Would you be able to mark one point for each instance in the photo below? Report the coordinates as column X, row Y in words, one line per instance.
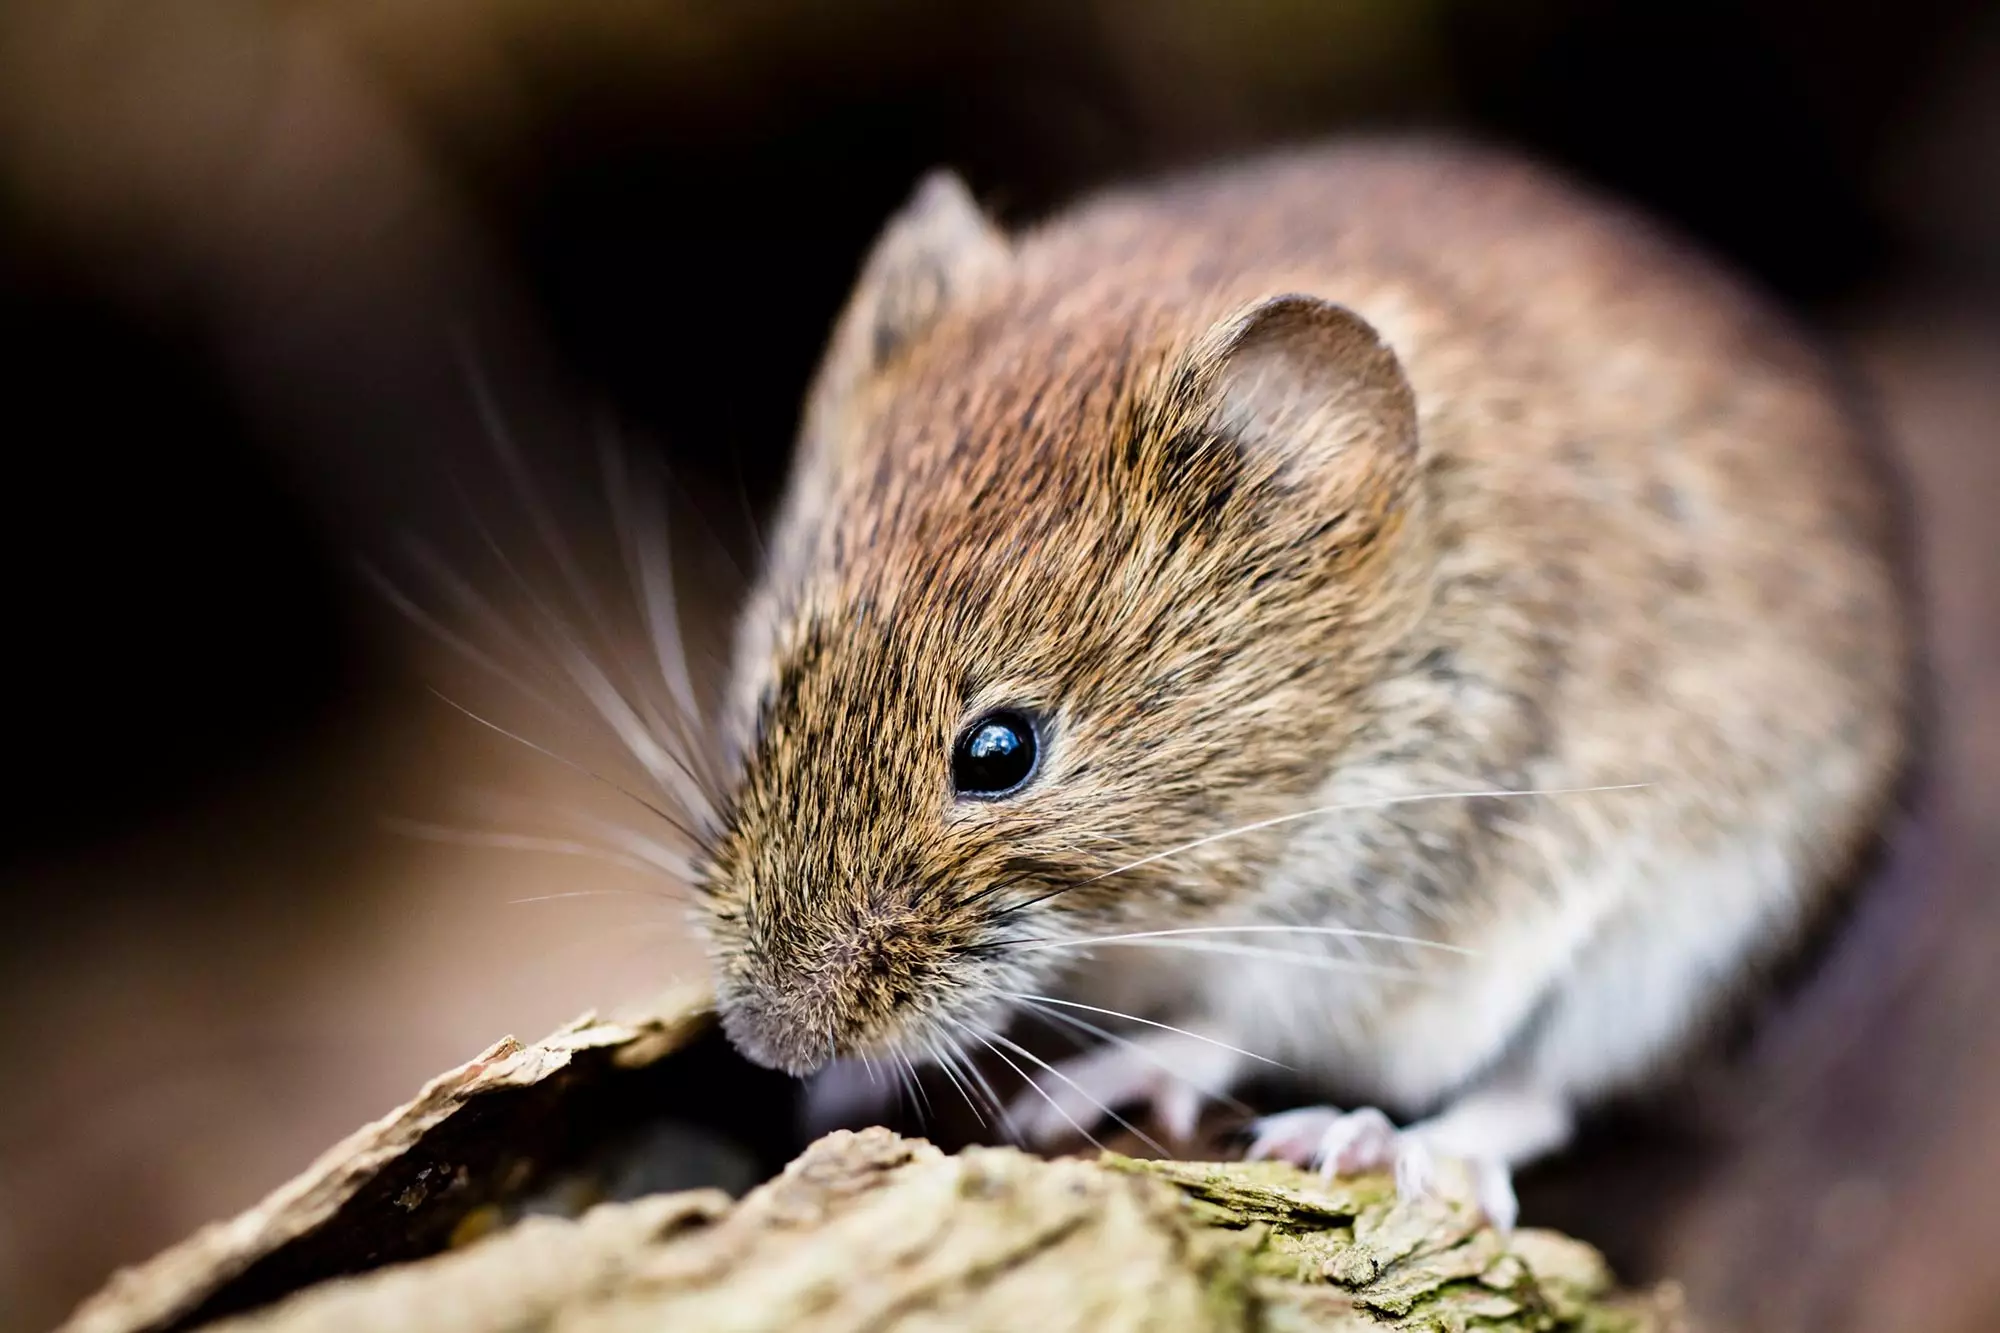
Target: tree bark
column 440, row 1218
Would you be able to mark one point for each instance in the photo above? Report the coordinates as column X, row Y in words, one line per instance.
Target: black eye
column 995, row 756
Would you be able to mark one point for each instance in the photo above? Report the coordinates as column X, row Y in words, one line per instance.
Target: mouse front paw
column 1346, row 1143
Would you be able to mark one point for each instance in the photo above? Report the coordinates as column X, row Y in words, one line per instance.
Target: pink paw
column 1349, row 1143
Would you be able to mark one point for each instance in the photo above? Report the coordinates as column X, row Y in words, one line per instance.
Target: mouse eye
column 995, row 756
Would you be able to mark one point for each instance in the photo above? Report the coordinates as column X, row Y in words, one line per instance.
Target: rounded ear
column 1291, row 397
column 933, row 252
column 1307, row 393
column 931, row 255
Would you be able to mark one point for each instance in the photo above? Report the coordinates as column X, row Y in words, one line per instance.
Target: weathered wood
column 866, row 1232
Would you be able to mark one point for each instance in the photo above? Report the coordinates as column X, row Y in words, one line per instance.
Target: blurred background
column 273, row 274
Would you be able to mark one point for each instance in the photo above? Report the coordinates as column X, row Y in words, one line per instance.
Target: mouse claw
column 1178, row 1109
column 1336, row 1143
column 1344, row 1143
column 1494, row 1189
column 1363, row 1140
column 1416, row 1168
column 1290, row 1136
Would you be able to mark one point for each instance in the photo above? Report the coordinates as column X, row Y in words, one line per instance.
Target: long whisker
column 577, row 893
column 1147, row 1022
column 917, row 1082
column 571, row 764
column 611, row 703
column 516, row 842
column 666, row 860
column 903, row 1088
column 996, row 887
column 1087, row 1135
column 555, row 629
column 555, row 636
column 500, row 438
column 944, row 1062
column 458, row 643
column 1315, row 961
column 649, row 565
column 619, row 947
column 978, row 1076
column 670, row 861
column 1341, row 932
column 664, row 765
column 1131, row 1128
column 1317, row 811
column 1138, row 1049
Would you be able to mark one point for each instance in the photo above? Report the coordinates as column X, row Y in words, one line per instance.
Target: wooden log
column 441, row 1218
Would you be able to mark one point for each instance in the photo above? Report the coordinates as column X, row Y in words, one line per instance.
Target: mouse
column 1381, row 609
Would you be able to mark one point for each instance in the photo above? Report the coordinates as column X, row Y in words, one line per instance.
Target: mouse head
column 1079, row 562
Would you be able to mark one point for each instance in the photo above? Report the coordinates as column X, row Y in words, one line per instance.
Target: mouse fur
column 1346, row 477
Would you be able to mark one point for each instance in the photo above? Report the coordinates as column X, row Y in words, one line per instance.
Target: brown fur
column 1146, row 471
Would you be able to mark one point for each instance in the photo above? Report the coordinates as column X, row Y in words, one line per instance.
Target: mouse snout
column 805, row 1002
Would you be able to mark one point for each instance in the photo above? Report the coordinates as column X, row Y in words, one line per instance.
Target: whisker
column 1147, row 1022
column 945, row 1064
column 500, row 438
column 557, row 639
column 611, row 703
column 631, row 715
column 1340, row 808
column 1087, row 1135
column 668, row 861
column 988, row 947
column 578, row 893
column 468, row 599
column 917, row 1082
column 517, row 842
column 1315, row 961
column 665, row 766
column 458, row 643
column 994, row 888
column 1137, row 1048
column 571, row 764
column 649, row 565
column 903, row 1090
column 1131, row 1128
column 552, row 627
column 978, row 1075
column 1341, row 932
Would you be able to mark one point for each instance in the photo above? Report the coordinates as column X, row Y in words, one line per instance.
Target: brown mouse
column 1168, row 600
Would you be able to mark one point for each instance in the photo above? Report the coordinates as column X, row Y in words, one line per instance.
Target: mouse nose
column 803, row 1008
column 771, row 1036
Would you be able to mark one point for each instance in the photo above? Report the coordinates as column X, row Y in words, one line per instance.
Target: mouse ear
column 932, row 252
column 1308, row 395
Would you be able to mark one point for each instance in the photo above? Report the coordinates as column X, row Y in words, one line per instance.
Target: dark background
column 246, row 251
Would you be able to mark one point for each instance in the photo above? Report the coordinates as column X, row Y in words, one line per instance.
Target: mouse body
column 1378, row 608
